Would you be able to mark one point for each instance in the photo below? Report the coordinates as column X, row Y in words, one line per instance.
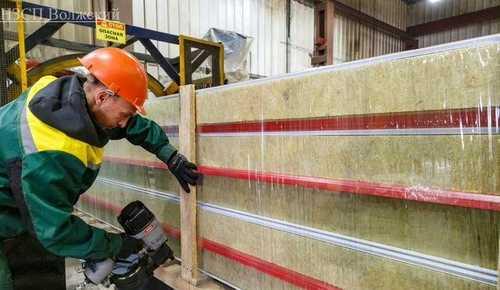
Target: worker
column 53, row 138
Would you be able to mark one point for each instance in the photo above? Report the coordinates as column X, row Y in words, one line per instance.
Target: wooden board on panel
column 187, row 142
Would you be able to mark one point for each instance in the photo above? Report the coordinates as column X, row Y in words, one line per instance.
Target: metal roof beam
column 455, row 21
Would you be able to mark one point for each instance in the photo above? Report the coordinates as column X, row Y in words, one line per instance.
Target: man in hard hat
column 53, row 137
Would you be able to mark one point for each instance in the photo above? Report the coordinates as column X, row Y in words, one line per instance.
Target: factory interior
column 249, row 144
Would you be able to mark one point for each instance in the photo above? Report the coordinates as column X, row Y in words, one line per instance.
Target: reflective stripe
column 27, row 139
column 26, row 134
column 94, row 166
column 38, row 136
column 47, row 138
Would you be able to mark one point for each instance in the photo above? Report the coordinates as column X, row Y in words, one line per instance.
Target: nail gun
column 136, row 271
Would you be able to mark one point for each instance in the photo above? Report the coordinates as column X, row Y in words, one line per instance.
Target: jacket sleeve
column 51, row 184
column 146, row 133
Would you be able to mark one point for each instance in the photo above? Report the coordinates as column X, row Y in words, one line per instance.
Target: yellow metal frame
column 182, row 56
column 22, row 47
column 182, row 61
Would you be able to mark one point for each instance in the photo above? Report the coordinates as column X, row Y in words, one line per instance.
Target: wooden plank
column 187, row 146
column 498, row 260
column 171, row 275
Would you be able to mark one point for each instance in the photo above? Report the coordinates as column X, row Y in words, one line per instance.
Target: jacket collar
column 62, row 104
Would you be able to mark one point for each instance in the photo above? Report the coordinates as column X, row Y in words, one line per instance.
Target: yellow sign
column 113, row 31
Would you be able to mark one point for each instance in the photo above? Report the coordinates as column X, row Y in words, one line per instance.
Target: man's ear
column 100, row 97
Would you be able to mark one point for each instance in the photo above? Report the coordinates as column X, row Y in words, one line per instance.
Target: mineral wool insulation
column 424, row 122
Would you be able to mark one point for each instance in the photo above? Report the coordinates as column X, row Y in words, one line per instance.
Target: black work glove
column 130, row 246
column 183, row 170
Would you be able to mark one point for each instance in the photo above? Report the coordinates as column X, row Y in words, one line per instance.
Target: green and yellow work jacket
column 50, row 153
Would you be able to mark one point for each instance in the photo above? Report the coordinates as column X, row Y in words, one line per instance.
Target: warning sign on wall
column 113, row 31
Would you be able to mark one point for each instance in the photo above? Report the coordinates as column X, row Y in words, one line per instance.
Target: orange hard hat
column 120, row 72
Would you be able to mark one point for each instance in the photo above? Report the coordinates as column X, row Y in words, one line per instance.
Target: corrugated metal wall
column 423, row 12
column 353, row 40
column 301, row 41
column 264, row 20
column 392, row 12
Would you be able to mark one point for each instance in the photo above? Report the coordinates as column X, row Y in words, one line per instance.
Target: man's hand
column 183, row 170
column 96, row 271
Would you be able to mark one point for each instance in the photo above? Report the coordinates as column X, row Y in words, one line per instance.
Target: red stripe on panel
column 271, row 269
column 419, row 194
column 429, row 195
column 465, row 118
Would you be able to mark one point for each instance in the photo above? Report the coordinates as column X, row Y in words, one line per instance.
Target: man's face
column 112, row 111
